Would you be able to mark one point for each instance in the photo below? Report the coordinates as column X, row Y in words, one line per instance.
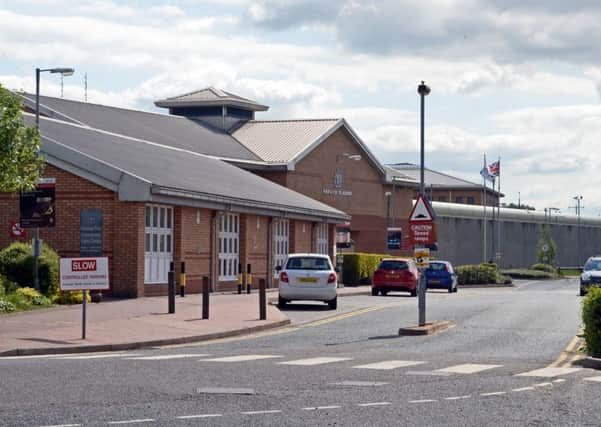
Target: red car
column 395, row 274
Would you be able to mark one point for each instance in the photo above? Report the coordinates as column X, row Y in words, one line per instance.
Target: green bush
column 16, row 264
column 591, row 317
column 359, row 267
column 544, row 267
column 6, row 306
column 484, row 273
column 33, row 297
column 70, row 297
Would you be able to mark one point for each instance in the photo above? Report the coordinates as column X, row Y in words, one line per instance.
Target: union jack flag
column 494, row 169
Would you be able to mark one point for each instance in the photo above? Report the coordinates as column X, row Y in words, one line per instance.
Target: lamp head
column 423, row 89
column 63, row 71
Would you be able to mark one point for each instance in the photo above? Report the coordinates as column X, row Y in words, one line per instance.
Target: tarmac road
column 501, row 364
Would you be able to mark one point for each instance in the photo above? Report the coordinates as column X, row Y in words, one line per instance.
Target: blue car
column 440, row 275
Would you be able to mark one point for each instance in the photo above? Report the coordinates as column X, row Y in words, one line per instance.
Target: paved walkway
column 134, row 323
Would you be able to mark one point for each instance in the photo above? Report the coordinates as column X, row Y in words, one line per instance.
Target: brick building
column 209, row 185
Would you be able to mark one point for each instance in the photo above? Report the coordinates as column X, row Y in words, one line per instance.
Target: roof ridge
column 295, row 120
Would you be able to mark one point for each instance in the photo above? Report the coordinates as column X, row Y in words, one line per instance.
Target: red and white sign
column 422, row 230
column 16, row 230
column 84, row 273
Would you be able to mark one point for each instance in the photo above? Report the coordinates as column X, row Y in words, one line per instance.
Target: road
column 501, row 364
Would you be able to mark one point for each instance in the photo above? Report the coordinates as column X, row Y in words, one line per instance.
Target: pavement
column 115, row 325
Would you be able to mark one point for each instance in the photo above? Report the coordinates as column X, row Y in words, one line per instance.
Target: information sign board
column 37, row 207
column 84, row 273
column 90, row 232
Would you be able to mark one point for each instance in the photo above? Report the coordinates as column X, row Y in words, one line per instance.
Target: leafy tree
column 20, row 164
column 546, row 242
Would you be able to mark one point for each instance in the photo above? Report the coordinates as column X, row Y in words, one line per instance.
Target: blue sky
column 512, row 79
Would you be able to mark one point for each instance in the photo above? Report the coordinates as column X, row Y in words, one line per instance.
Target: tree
column 20, row 164
column 546, row 249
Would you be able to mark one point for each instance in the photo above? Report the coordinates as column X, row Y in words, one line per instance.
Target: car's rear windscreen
column 307, row 263
column 393, row 265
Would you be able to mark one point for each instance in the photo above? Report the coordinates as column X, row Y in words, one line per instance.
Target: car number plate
column 434, row 281
column 307, row 279
column 392, row 276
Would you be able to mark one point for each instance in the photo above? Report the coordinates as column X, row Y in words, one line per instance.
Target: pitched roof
column 280, row 141
column 176, row 131
column 210, row 97
column 145, row 171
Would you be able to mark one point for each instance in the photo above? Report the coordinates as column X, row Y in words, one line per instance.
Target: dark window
column 196, row 111
column 459, row 199
column 307, row 263
column 239, row 113
column 393, row 265
column 470, row 200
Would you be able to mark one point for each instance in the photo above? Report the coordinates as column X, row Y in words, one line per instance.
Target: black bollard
column 262, row 300
column 249, row 278
column 171, row 289
column 240, row 278
column 182, row 280
column 205, row 297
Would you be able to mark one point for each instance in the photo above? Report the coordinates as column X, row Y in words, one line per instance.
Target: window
column 158, row 238
column 228, row 246
column 308, row 263
column 322, row 239
column 459, row 199
column 281, row 241
column 470, row 200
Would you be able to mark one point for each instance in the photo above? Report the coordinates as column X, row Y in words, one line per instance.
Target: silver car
column 591, row 274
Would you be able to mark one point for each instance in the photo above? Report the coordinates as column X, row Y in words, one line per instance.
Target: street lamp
column 36, row 240
column 423, row 91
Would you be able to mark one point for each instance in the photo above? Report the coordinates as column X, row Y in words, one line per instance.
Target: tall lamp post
column 36, row 240
column 423, row 91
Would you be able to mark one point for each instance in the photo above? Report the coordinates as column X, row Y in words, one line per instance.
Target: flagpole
column 484, row 215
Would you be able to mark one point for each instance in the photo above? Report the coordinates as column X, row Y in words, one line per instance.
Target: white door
column 158, row 243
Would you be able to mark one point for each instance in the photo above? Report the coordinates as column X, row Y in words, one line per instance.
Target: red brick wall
column 300, row 236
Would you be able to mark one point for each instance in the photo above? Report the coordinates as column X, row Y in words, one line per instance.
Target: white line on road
column 468, row 368
column 548, row 372
column 97, row 356
column 168, row 356
column 423, row 401
column 243, row 358
column 560, row 380
column 274, row 411
column 64, row 425
column 191, row 417
column 594, row 379
column 315, row 361
column 145, row 420
column 494, row 393
column 389, row 364
column 374, row 404
column 467, row 396
column 543, row 385
column 317, row 408
column 517, row 390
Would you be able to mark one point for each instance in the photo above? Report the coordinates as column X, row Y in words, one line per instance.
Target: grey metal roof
column 280, row 141
column 456, row 210
column 433, row 178
column 176, row 131
column 210, row 97
column 145, row 171
column 393, row 174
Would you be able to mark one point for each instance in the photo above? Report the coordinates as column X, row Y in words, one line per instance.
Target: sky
column 509, row 79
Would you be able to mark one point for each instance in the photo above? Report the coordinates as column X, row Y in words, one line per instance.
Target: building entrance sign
column 90, row 232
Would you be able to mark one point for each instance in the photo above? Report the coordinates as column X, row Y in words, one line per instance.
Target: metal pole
column 36, row 239
column 262, row 300
column 83, row 313
column 423, row 90
column 205, row 297
column 171, row 289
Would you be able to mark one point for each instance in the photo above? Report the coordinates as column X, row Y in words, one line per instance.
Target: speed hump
column 422, row 257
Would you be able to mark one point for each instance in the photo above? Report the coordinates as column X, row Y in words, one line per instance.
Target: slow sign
column 84, row 273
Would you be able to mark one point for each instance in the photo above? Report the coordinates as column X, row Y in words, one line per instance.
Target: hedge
column 591, row 317
column 478, row 274
column 524, row 273
column 544, row 267
column 16, row 265
column 358, row 268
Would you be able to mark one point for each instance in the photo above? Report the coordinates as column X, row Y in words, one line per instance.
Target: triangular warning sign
column 422, row 211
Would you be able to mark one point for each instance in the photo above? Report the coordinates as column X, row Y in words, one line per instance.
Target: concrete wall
column 460, row 236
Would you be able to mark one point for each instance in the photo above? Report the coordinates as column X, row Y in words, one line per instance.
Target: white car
column 591, row 274
column 309, row 277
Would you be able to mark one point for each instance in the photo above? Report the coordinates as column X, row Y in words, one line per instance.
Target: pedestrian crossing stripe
column 315, row 361
column 467, row 368
column 389, row 364
column 168, row 356
column 594, row 379
column 243, row 358
column 548, row 372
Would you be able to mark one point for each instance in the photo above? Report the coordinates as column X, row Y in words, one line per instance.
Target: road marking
column 191, row 417
column 548, row 372
column 543, row 385
column 97, row 356
column 168, row 356
column 360, row 383
column 373, row 404
column 434, row 373
column 274, row 411
column 389, row 364
column 467, row 396
column 517, row 390
column 145, row 420
column 35, row 356
column 494, row 393
column 566, row 352
column 318, row 408
column 243, row 358
column 423, row 401
column 345, row 315
column 594, row 379
column 315, row 361
column 63, row 425
column 560, row 380
column 468, row 368
column 225, row 390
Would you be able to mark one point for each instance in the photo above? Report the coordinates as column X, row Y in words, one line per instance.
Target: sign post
column 84, row 274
